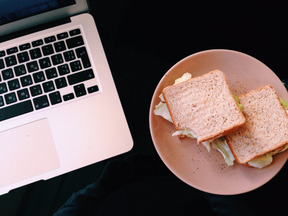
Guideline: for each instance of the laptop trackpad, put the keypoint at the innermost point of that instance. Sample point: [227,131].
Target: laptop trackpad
[26,151]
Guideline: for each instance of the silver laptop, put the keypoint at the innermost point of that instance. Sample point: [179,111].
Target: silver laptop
[59,108]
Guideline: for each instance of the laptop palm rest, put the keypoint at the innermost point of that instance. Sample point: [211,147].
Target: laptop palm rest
[33,152]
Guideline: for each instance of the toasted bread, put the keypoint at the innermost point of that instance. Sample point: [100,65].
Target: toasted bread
[266,127]
[205,105]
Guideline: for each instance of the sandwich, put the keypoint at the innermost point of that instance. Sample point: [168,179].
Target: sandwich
[265,132]
[251,137]
[205,106]
[202,108]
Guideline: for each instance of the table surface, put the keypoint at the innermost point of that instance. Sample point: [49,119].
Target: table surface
[142,41]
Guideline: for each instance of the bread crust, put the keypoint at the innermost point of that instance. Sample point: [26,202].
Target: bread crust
[212,136]
[279,147]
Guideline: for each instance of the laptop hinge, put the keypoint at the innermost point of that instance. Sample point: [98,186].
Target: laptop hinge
[34,29]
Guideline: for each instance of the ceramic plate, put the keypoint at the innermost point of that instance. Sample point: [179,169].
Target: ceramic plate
[191,162]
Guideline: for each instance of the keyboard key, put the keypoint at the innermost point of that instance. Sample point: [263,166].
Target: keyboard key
[69,96]
[20,70]
[75,42]
[80,90]
[35,90]
[93,89]
[23,57]
[63,69]
[3,88]
[75,66]
[48,86]
[38,77]
[59,46]
[82,53]
[62,35]
[37,43]
[23,94]
[2,64]
[47,50]
[2,53]
[35,53]
[45,63]
[16,110]
[10,60]
[57,59]
[26,80]
[25,46]
[74,32]
[41,102]
[13,84]
[80,76]
[32,66]
[50,39]
[51,73]
[12,50]
[55,98]
[60,83]
[7,74]
[69,55]
[10,98]
[1,101]
[86,62]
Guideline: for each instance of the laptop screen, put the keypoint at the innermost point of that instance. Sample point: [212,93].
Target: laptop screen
[17,15]
[13,10]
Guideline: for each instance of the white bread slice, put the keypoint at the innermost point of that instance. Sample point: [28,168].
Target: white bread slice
[266,126]
[205,105]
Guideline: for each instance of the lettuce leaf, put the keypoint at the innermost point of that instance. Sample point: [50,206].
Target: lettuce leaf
[183,78]
[261,161]
[162,110]
[237,101]
[221,145]
[284,103]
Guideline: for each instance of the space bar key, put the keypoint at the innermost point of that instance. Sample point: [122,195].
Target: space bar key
[16,110]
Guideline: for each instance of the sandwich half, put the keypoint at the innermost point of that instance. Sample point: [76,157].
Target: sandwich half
[265,132]
[204,105]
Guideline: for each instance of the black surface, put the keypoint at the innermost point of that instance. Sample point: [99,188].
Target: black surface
[142,41]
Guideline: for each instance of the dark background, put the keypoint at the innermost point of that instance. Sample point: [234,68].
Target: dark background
[142,40]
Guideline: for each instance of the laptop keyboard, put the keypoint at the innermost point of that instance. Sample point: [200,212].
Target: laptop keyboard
[43,73]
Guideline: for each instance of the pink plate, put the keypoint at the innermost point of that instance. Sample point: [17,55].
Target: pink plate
[191,162]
